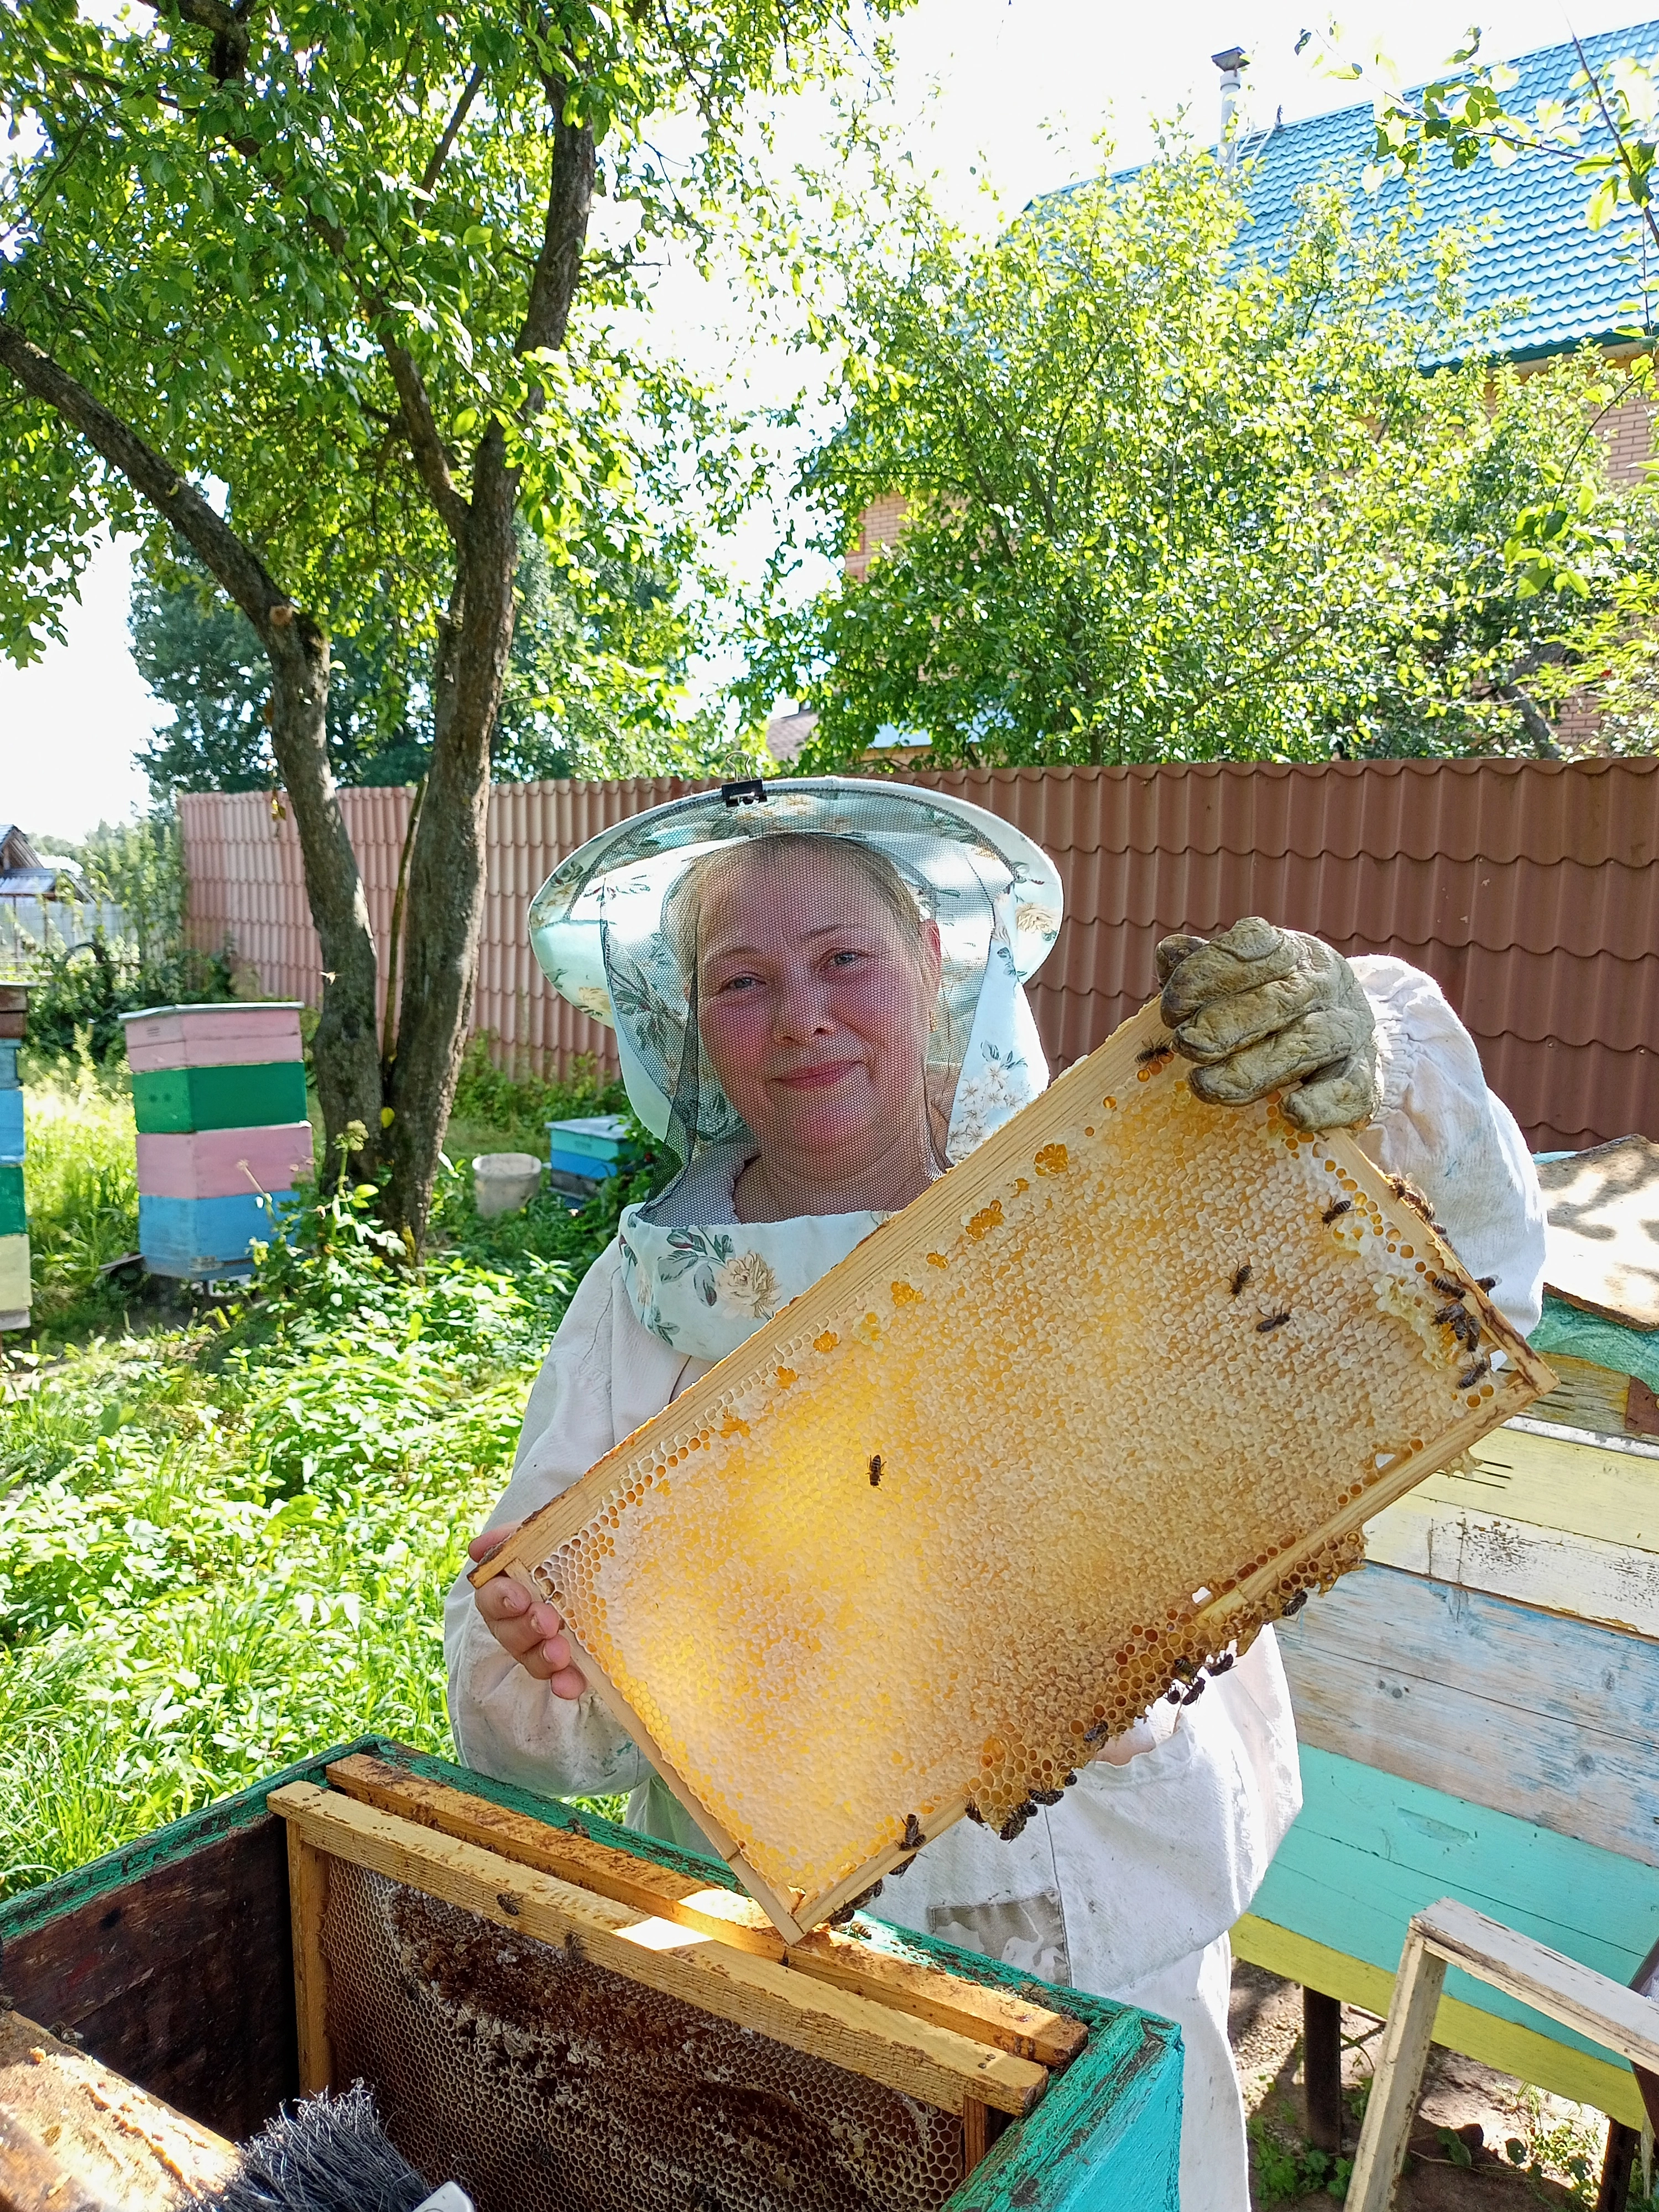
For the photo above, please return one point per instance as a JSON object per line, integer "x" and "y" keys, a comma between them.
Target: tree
{"x": 1168, "y": 497}
{"x": 598, "y": 697}
{"x": 338, "y": 260}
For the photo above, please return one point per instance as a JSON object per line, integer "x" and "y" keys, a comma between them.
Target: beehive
{"x": 557, "y": 2014}
{"x": 1094, "y": 1407}
{"x": 219, "y": 1096}
{"x": 15, "y": 1285}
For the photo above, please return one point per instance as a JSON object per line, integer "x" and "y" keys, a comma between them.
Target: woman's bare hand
{"x": 527, "y": 1629}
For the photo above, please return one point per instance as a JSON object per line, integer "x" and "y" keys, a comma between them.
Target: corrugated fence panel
{"x": 1528, "y": 889}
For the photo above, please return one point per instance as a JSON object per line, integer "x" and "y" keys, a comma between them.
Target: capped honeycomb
{"x": 545, "y": 2084}
{"x": 1104, "y": 1400}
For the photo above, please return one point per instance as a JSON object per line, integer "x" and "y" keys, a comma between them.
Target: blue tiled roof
{"x": 1577, "y": 283}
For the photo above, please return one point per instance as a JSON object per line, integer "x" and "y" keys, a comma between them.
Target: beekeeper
{"x": 818, "y": 1000}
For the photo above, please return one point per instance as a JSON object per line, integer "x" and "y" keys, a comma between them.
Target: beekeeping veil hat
{"x": 602, "y": 930}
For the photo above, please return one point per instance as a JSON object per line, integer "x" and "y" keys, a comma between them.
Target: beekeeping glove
{"x": 1262, "y": 1009}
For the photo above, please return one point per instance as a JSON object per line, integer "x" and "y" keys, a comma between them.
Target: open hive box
{"x": 560, "y": 2016}
{"x": 1106, "y": 1397}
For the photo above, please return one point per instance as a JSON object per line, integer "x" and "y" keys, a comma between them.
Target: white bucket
{"x": 503, "y": 1182}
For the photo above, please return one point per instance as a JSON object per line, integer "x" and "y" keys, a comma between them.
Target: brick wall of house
{"x": 1629, "y": 432}
{"x": 879, "y": 525}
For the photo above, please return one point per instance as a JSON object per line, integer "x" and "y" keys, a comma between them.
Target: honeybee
{"x": 1335, "y": 1213}
{"x": 1296, "y": 1604}
{"x": 1195, "y": 1693}
{"x": 1241, "y": 1276}
{"x": 913, "y": 1838}
{"x": 1154, "y": 1056}
{"x": 875, "y": 1471}
{"x": 1273, "y": 1321}
{"x": 1221, "y": 1665}
{"x": 974, "y": 1813}
{"x": 1472, "y": 1375}
{"x": 1408, "y": 1194}
{"x": 1486, "y": 1282}
{"x": 1447, "y": 1287}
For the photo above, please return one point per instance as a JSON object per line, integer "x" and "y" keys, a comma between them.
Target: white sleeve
{"x": 505, "y": 1722}
{"x": 1458, "y": 1142}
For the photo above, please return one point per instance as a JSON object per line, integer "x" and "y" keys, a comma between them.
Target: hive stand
{"x": 1450, "y": 1933}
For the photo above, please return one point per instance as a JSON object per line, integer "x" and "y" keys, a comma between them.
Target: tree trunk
{"x": 445, "y": 904}
{"x": 345, "y": 1054}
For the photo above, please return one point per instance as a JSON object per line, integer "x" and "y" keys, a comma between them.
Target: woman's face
{"x": 814, "y": 1007}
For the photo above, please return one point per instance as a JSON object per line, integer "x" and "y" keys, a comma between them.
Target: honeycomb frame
{"x": 1292, "y": 1268}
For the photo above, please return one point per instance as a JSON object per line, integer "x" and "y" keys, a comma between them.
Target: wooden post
{"x": 976, "y": 2134}
{"x": 1399, "y": 2077}
{"x": 1322, "y": 2069}
{"x": 308, "y": 1902}
{"x": 1623, "y": 2143}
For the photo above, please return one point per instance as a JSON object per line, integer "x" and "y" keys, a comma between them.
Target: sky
{"x": 1014, "y": 91}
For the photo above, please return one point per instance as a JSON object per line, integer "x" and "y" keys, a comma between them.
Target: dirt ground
{"x": 1469, "y": 2118}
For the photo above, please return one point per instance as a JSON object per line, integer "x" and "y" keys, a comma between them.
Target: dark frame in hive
{"x": 172, "y": 1962}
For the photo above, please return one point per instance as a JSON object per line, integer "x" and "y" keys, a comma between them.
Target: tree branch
{"x": 228, "y": 26}
{"x": 564, "y": 228}
{"x": 421, "y": 428}
{"x": 452, "y": 129}
{"x": 233, "y": 563}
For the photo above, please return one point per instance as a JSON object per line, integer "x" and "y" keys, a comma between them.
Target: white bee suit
{"x": 1128, "y": 1886}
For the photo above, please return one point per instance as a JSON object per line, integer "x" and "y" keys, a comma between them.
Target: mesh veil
{"x": 600, "y": 927}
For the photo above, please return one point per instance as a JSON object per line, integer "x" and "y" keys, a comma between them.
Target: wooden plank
{"x": 172, "y": 1960}
{"x": 930, "y": 2063}
{"x": 996, "y": 2017}
{"x": 1560, "y": 2068}
{"x": 1398, "y": 2082}
{"x": 1593, "y": 2005}
{"x": 1606, "y": 1489}
{"x": 1603, "y": 1235}
{"x": 72, "y": 2131}
{"x": 1554, "y": 1720}
{"x": 308, "y": 1895}
{"x": 1585, "y": 1396}
{"x": 1405, "y": 1845}
{"x": 1615, "y": 1584}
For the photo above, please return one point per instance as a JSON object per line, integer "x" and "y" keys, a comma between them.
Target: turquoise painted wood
{"x": 1549, "y": 1718}
{"x": 11, "y": 1124}
{"x": 1369, "y": 1849}
{"x": 1105, "y": 2138}
{"x": 596, "y": 1136}
{"x": 168, "y": 1100}
{"x": 9, "y": 1051}
{"x": 14, "y": 1216}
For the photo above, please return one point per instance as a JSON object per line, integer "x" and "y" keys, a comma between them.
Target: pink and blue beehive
{"x": 219, "y": 1096}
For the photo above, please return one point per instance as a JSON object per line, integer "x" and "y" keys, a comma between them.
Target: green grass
{"x": 81, "y": 1185}
{"x": 224, "y": 1540}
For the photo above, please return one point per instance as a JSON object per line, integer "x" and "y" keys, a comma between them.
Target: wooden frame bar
{"x": 308, "y": 1895}
{"x": 935, "y": 2065}
{"x": 1450, "y": 1934}
{"x": 996, "y": 2017}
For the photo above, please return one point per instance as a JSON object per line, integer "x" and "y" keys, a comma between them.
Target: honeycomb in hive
{"x": 1089, "y": 1411}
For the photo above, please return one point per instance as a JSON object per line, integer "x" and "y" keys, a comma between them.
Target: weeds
{"x": 227, "y": 1544}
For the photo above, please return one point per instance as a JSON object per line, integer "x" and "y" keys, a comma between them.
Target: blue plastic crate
{"x": 11, "y": 1124}
{"x": 202, "y": 1237}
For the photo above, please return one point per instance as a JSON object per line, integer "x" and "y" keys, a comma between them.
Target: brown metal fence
{"x": 1528, "y": 889}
